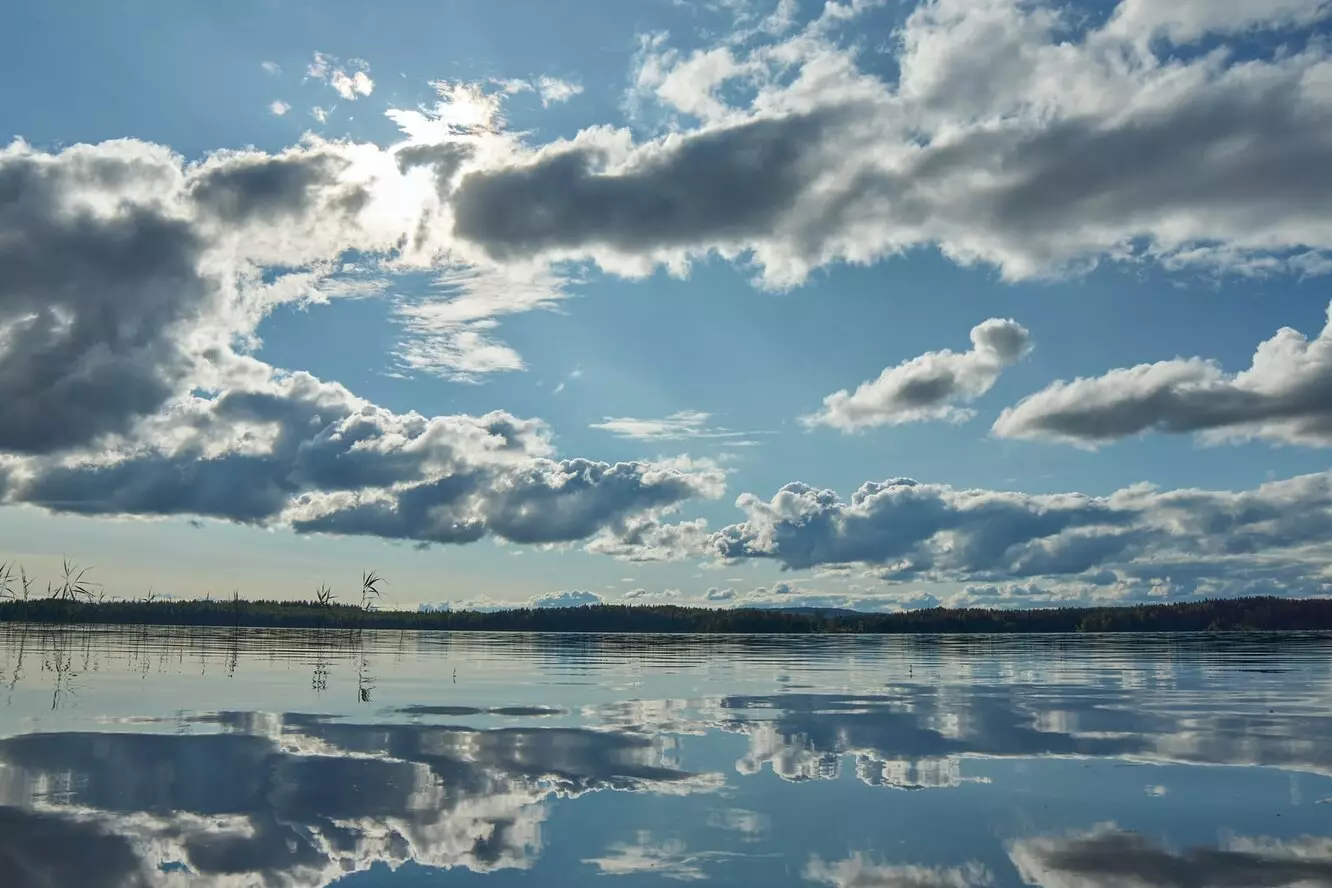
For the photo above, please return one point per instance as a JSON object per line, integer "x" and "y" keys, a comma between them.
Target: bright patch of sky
{"x": 779, "y": 303}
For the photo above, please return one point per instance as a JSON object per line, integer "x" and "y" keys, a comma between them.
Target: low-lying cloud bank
{"x": 1137, "y": 541}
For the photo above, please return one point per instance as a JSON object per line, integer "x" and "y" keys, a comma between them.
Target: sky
{"x": 881, "y": 305}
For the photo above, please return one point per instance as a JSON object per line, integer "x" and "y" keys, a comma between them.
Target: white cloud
{"x": 1138, "y": 542}
{"x": 319, "y": 114}
{"x": 1186, "y": 21}
{"x": 278, "y": 107}
{"x": 997, "y": 144}
{"x": 128, "y": 396}
{"x": 682, "y": 425}
{"x": 452, "y": 335}
{"x": 645, "y": 595}
{"x": 857, "y": 871}
{"x": 351, "y": 86}
{"x": 667, "y": 859}
{"x": 271, "y": 67}
{"x": 576, "y": 598}
{"x": 928, "y": 387}
{"x": 554, "y": 91}
{"x": 1282, "y": 397}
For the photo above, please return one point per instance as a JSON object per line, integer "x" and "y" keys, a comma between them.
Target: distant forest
{"x": 1268, "y": 613}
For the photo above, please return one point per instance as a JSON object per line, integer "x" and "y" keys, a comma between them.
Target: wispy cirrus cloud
{"x": 679, "y": 426}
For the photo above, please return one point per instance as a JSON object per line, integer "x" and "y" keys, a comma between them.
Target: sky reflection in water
{"x": 217, "y": 758}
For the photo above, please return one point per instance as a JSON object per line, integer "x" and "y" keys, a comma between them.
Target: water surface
{"x": 152, "y": 756}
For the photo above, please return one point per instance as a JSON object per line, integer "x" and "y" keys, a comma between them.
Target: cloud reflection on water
{"x": 478, "y": 778}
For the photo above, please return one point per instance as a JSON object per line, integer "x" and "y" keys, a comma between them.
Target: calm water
{"x": 231, "y": 758}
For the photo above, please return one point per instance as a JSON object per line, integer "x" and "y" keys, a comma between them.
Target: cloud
{"x": 278, "y": 107}
{"x": 554, "y": 91}
{"x": 351, "y": 86}
{"x": 271, "y": 67}
{"x": 130, "y": 285}
{"x": 997, "y": 143}
{"x": 682, "y": 425}
{"x": 451, "y": 335}
{"x": 715, "y": 594}
{"x": 577, "y": 598}
{"x": 928, "y": 387}
{"x": 319, "y": 114}
{"x": 646, "y": 538}
{"x": 1133, "y": 541}
{"x": 784, "y": 596}
{"x": 667, "y": 859}
{"x": 1185, "y": 22}
{"x": 1282, "y": 396}
{"x": 641, "y": 595}
{"x": 857, "y": 871}
{"x": 200, "y": 825}
{"x": 1107, "y": 857}
{"x": 35, "y": 850}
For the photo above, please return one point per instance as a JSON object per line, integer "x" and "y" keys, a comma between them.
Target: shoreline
{"x": 1212, "y": 615}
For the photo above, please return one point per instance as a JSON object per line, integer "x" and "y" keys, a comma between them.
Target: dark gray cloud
{"x": 241, "y": 807}
{"x": 1111, "y": 857}
{"x": 94, "y": 299}
{"x": 308, "y": 453}
{"x": 728, "y": 185}
{"x": 235, "y": 189}
{"x": 894, "y": 523}
{"x": 42, "y": 849}
{"x": 542, "y": 501}
{"x": 1001, "y": 141}
{"x": 1188, "y": 541}
{"x": 1284, "y": 395}
{"x": 929, "y": 386}
{"x": 126, "y": 277}
{"x": 445, "y": 160}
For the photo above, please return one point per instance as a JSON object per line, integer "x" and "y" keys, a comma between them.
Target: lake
{"x": 158, "y": 756}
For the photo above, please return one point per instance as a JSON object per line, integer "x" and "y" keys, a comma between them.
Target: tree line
{"x": 1259, "y": 613}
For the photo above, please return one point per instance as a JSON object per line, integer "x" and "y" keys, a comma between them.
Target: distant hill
{"x": 819, "y": 611}
{"x": 1268, "y": 613}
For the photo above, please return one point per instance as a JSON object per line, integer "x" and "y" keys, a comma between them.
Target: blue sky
{"x": 547, "y": 301}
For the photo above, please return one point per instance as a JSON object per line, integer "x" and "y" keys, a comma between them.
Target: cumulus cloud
{"x": 997, "y": 143}
{"x": 132, "y": 281}
{"x": 131, "y": 284}
{"x": 646, "y": 538}
{"x": 857, "y": 871}
{"x": 351, "y": 86}
{"x": 1107, "y": 857}
{"x": 575, "y": 598}
{"x": 271, "y": 67}
{"x": 1136, "y": 539}
{"x": 929, "y": 386}
{"x": 354, "y": 797}
{"x": 644, "y": 595}
{"x": 278, "y": 107}
{"x": 1282, "y": 396}
{"x": 554, "y": 91}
